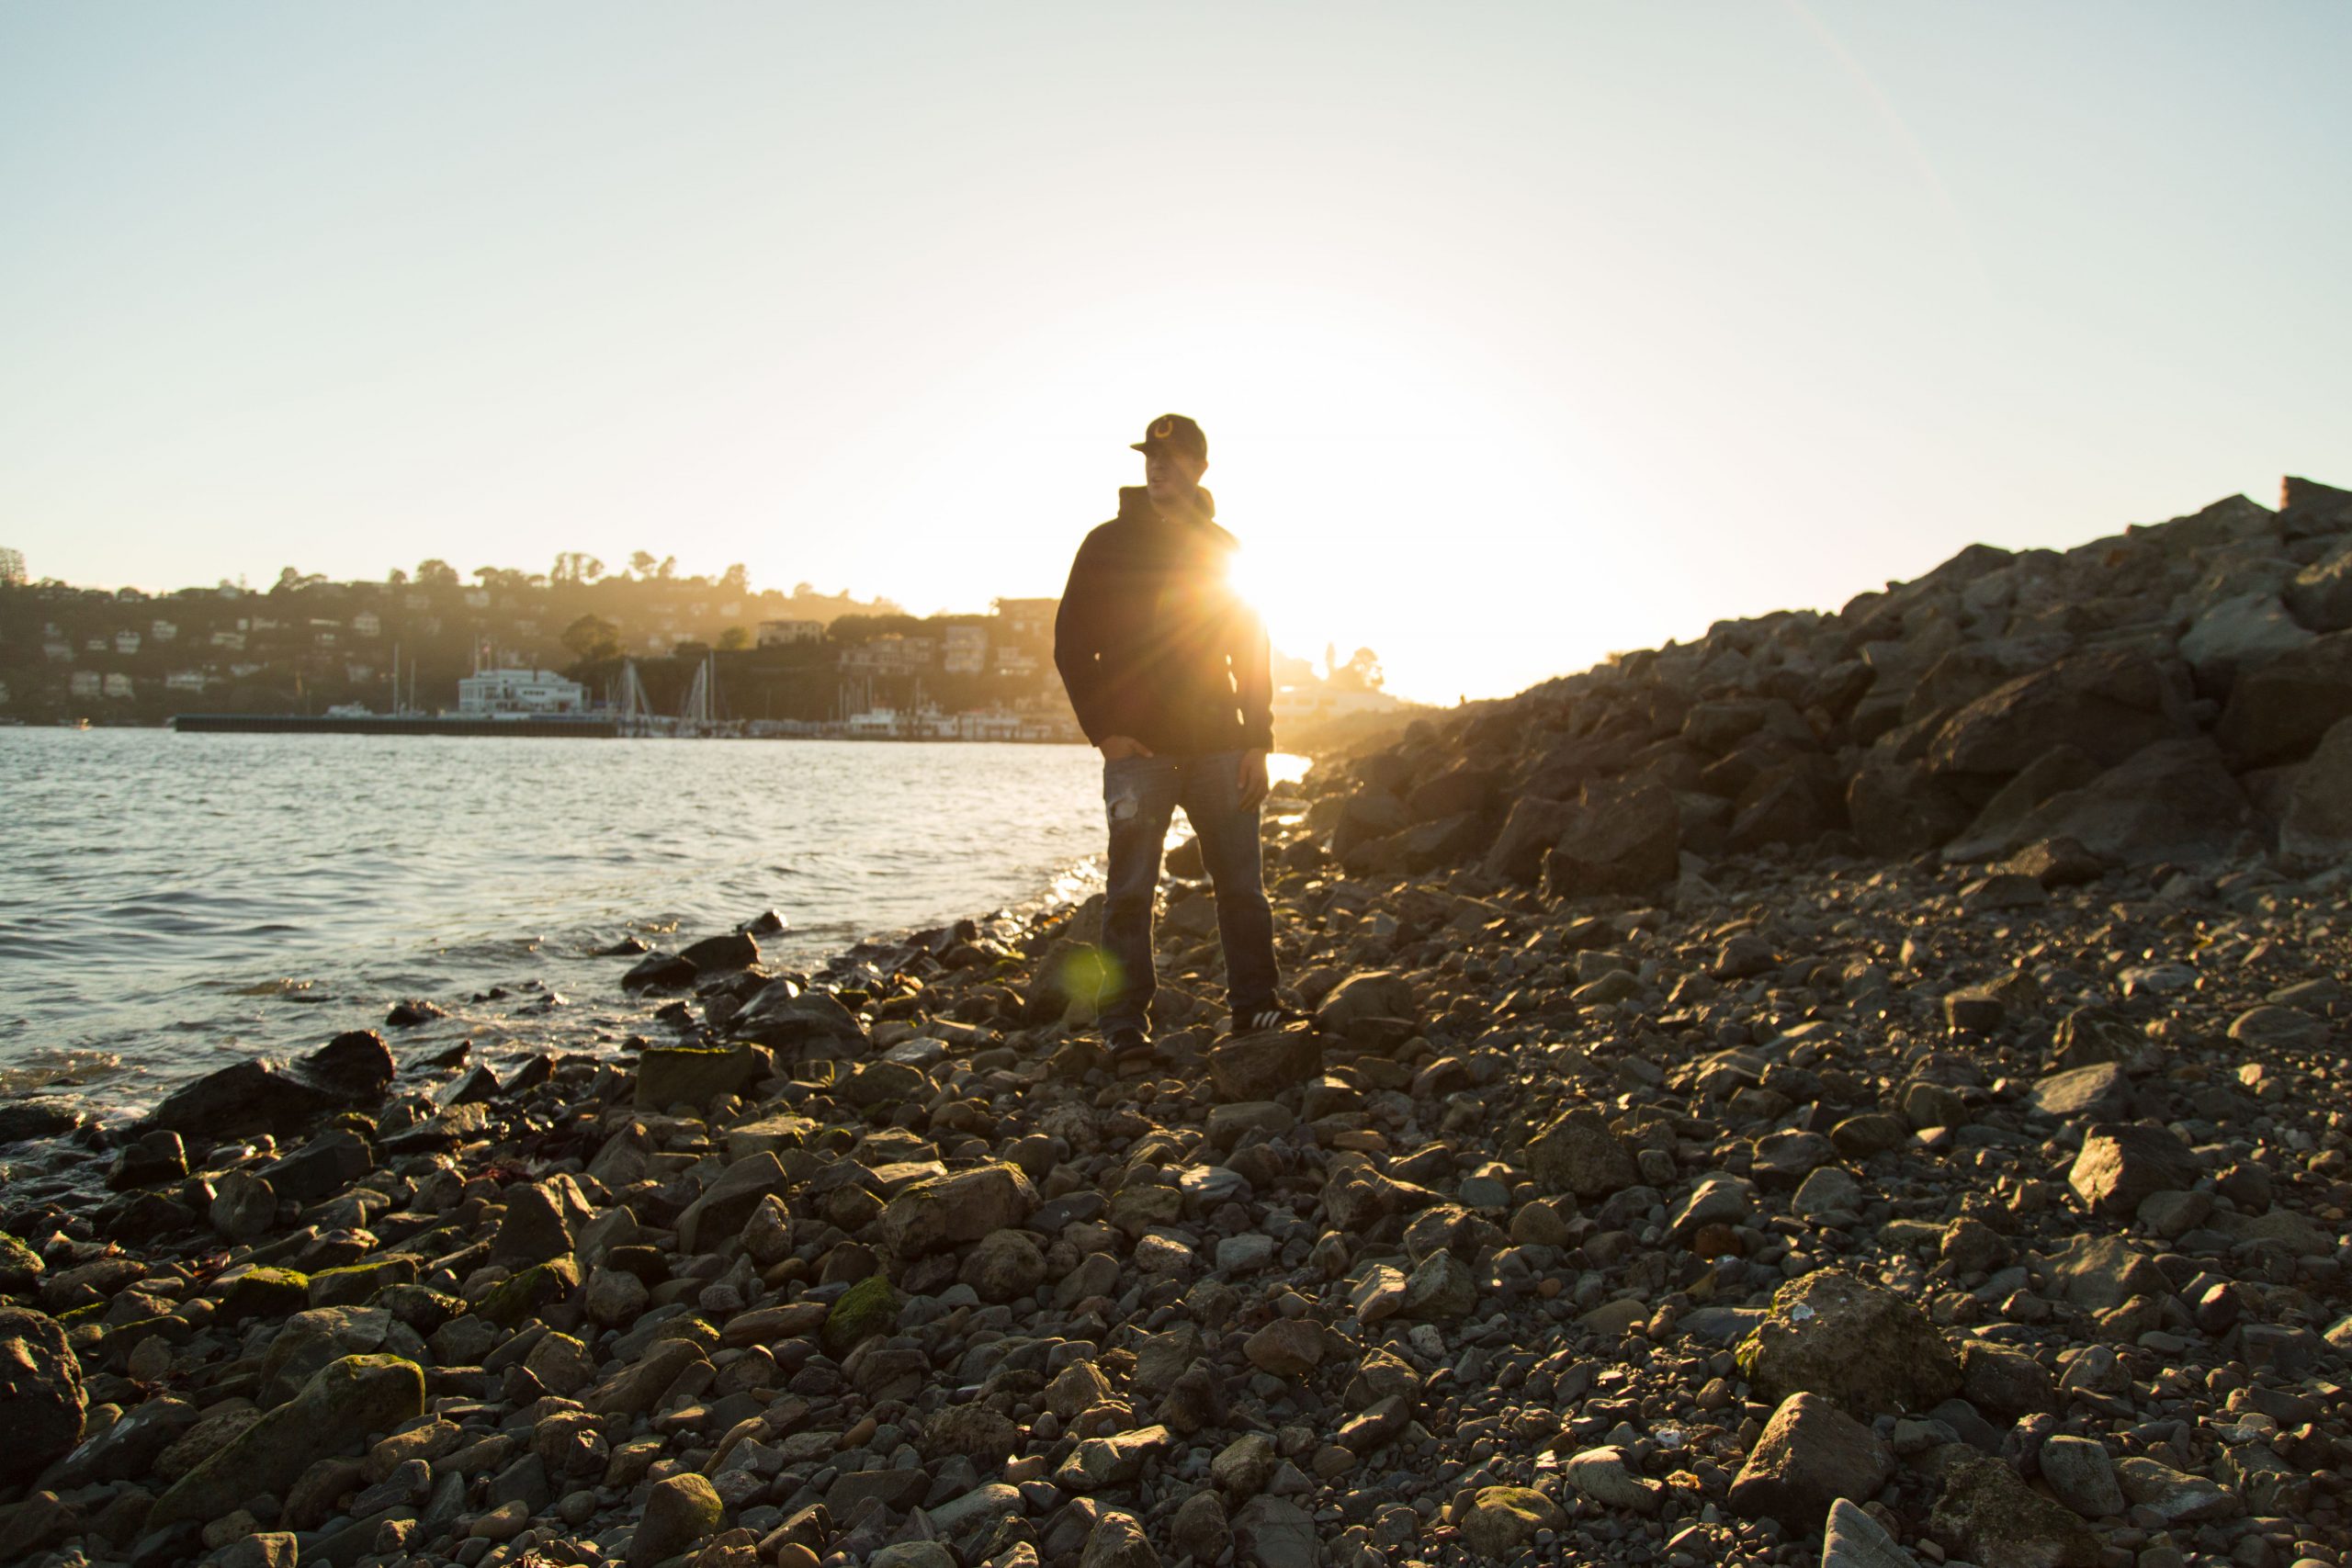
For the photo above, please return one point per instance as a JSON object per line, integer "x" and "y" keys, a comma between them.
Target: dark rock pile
{"x": 1861, "y": 1089}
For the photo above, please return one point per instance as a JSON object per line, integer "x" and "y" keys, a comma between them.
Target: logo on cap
{"x": 1173, "y": 432}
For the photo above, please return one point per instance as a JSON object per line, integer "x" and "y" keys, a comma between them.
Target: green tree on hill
{"x": 592, "y": 638}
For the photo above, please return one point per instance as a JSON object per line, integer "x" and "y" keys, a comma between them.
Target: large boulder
{"x": 1995, "y": 830}
{"x": 1811, "y": 1454}
{"x": 1464, "y": 788}
{"x": 729, "y": 1201}
{"x": 339, "y": 1409}
{"x": 1899, "y": 808}
{"x": 1993, "y": 1516}
{"x": 1260, "y": 1065}
{"x": 2124, "y": 1164}
{"x": 1503, "y": 1521}
{"x": 2174, "y": 801}
{"x": 678, "y": 1513}
{"x": 2278, "y": 713}
{"x": 42, "y": 1401}
{"x": 2109, "y": 703}
{"x": 950, "y": 1211}
{"x": 1793, "y": 802}
{"x": 1374, "y": 993}
{"x": 311, "y": 1339}
{"x": 1579, "y": 1153}
{"x": 2239, "y": 633}
{"x": 2307, "y": 509}
{"x": 1069, "y": 974}
{"x": 2321, "y": 595}
{"x": 1868, "y": 1349}
{"x": 695, "y": 1074}
{"x": 1561, "y": 773}
{"x": 722, "y": 954}
{"x": 1622, "y": 838}
{"x": 2097, "y": 1272}
{"x": 1853, "y": 1538}
{"x": 265, "y": 1095}
{"x": 2317, "y": 826}
{"x": 1528, "y": 834}
{"x": 783, "y": 1018}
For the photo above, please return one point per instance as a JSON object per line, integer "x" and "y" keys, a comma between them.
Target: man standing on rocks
{"x": 1167, "y": 670}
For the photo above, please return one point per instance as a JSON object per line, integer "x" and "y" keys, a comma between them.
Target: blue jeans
{"x": 1140, "y": 796}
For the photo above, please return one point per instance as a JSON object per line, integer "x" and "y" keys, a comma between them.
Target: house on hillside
{"x": 367, "y": 623}
{"x": 118, "y": 686}
{"x": 125, "y": 641}
{"x": 784, "y": 634}
{"x": 184, "y": 681}
{"x": 1025, "y": 620}
{"x": 889, "y": 654}
{"x": 964, "y": 650}
{"x": 85, "y": 684}
{"x": 163, "y": 631}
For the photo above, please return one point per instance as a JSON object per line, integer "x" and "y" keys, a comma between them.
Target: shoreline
{"x": 782, "y": 1331}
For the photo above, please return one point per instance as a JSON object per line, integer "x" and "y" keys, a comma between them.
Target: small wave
{"x": 278, "y": 987}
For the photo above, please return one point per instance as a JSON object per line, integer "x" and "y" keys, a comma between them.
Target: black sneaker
{"x": 1258, "y": 1021}
{"x": 1128, "y": 1048}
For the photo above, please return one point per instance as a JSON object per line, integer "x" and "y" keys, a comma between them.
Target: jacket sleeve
{"x": 1253, "y": 678}
{"x": 1077, "y": 641}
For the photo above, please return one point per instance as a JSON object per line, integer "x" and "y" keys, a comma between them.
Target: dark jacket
{"x": 1154, "y": 644}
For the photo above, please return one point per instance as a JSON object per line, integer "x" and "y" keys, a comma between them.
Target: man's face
{"x": 1172, "y": 476}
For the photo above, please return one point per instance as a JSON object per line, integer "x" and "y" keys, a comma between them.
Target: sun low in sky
{"x": 1521, "y": 333}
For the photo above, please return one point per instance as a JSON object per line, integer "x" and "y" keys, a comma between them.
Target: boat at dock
{"x": 593, "y": 726}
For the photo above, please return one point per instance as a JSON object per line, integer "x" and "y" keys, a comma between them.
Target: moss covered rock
{"x": 356, "y": 1283}
{"x": 527, "y": 1291}
{"x": 1867, "y": 1349}
{"x": 261, "y": 1291}
{"x": 865, "y": 1309}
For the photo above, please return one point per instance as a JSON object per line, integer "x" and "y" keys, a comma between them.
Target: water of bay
{"x": 171, "y": 903}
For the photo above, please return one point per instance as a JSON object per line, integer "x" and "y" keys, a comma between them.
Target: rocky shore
{"x": 1863, "y": 1088}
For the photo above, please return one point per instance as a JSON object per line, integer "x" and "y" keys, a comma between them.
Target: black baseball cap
{"x": 1174, "y": 433}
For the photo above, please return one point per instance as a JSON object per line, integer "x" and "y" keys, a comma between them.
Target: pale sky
{"x": 1521, "y": 333}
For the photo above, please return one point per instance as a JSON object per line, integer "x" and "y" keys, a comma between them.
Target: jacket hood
{"x": 1135, "y": 506}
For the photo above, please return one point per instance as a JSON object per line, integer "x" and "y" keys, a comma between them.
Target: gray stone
{"x": 1624, "y": 836}
{"x": 1503, "y": 1521}
{"x": 678, "y": 1512}
{"x": 2124, "y": 1164}
{"x": 2316, "y": 827}
{"x": 963, "y": 1206}
{"x": 1995, "y": 1518}
{"x": 1854, "y": 1539}
{"x": 2178, "y": 1496}
{"x": 812, "y": 1022}
{"x": 695, "y": 1075}
{"x": 2080, "y": 1474}
{"x": 1811, "y": 1454}
{"x": 1272, "y": 1533}
{"x": 42, "y": 1401}
{"x": 346, "y": 1402}
{"x": 1578, "y": 1153}
{"x": 2100, "y": 1091}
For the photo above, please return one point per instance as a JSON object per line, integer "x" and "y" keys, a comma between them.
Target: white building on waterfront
{"x": 512, "y": 693}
